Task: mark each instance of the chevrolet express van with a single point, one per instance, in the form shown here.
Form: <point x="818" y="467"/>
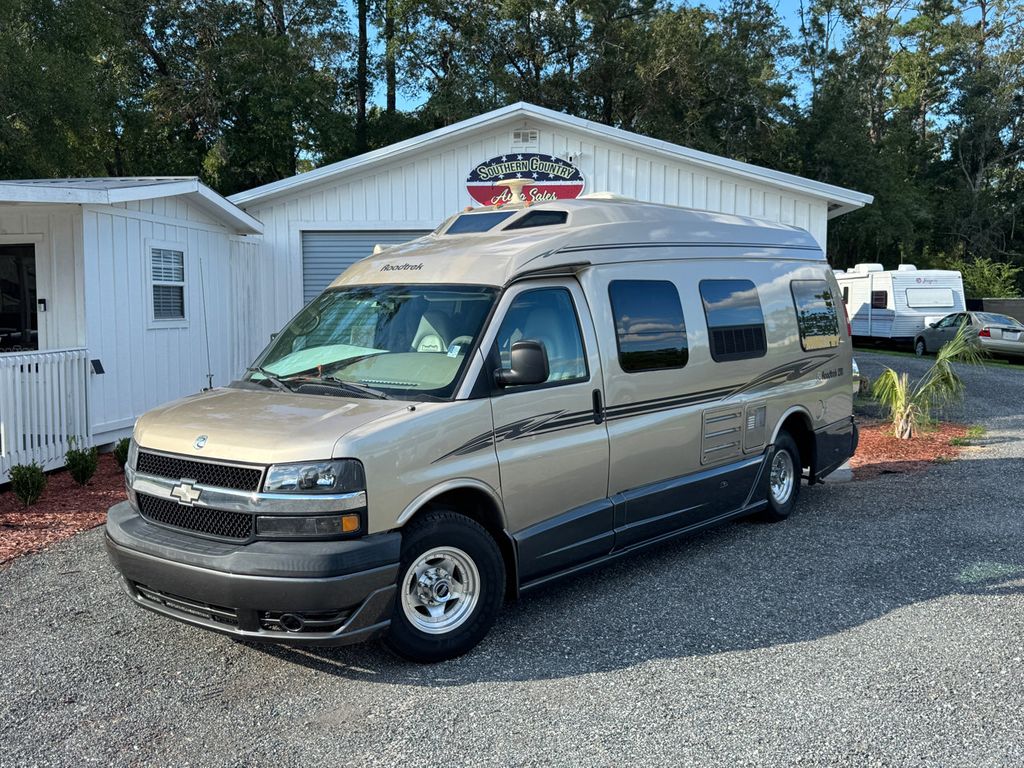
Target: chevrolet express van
<point x="527" y="392"/>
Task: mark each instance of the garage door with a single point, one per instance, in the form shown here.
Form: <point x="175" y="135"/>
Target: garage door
<point x="325" y="255"/>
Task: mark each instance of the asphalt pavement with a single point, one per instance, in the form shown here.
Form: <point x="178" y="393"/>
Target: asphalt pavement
<point x="882" y="624"/>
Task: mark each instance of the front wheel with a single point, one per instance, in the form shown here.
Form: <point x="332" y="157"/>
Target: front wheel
<point x="920" y="349"/>
<point x="450" y="589"/>
<point x="784" y="471"/>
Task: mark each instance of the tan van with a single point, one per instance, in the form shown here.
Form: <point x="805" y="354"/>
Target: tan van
<point x="525" y="393"/>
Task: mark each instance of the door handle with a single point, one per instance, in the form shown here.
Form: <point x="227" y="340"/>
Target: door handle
<point x="598" y="407"/>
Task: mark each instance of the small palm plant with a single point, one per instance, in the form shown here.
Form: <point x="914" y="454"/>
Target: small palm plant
<point x="909" y="404"/>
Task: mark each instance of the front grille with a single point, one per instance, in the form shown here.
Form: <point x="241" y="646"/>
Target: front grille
<point x="216" y="613"/>
<point x="213" y="522"/>
<point x="202" y="472"/>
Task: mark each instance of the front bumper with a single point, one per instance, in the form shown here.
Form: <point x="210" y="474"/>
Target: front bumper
<point x="341" y="591"/>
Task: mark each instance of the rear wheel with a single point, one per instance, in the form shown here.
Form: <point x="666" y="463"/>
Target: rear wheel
<point x="920" y="349"/>
<point x="450" y="589"/>
<point x="783" y="479"/>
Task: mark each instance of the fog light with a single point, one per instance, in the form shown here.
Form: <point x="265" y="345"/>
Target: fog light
<point x="301" y="527"/>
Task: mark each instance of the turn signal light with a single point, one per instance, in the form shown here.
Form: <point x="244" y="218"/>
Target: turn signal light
<point x="313" y="526"/>
<point x="985" y="333"/>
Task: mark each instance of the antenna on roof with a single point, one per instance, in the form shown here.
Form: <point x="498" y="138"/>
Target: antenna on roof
<point x="515" y="188"/>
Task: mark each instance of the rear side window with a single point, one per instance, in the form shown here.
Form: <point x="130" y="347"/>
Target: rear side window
<point x="879" y="299"/>
<point x="735" y="320"/>
<point x="815" y="314"/>
<point x="649" y="326"/>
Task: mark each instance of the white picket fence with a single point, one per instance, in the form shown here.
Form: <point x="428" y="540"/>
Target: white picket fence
<point x="43" y="407"/>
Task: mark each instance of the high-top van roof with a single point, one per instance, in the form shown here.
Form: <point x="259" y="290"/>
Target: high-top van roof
<point x="493" y="245"/>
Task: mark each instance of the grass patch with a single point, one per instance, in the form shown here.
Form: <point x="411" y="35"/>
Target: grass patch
<point x="974" y="432"/>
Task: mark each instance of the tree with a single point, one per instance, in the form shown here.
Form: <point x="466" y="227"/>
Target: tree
<point x="910" y="405"/>
<point x="987" y="279"/>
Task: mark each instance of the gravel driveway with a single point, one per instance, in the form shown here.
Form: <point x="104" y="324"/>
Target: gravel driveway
<point x="881" y="624"/>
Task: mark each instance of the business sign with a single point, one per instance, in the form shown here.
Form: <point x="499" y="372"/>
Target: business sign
<point x="549" y="178"/>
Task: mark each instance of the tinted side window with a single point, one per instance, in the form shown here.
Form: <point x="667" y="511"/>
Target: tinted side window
<point x="546" y="315"/>
<point x="735" y="320"/>
<point x="815" y="314"/>
<point x="649" y="326"/>
<point x="879" y="299"/>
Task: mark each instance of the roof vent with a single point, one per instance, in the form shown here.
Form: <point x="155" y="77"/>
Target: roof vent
<point x="525" y="137"/>
<point x="907" y="268"/>
<point x="865" y="268"/>
<point x="539" y="219"/>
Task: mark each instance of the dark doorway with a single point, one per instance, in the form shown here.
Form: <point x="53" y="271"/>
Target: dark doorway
<point x="19" y="328"/>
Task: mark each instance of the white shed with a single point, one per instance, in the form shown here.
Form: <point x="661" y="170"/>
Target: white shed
<point x="116" y="295"/>
<point x="317" y="223"/>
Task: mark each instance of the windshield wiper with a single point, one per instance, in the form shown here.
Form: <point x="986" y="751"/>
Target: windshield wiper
<point x="269" y="377"/>
<point x="349" y="386"/>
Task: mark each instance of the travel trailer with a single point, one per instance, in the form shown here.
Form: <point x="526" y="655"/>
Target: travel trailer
<point x="895" y="304"/>
<point x="529" y="391"/>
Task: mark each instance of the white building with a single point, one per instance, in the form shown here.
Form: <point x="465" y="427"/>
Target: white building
<point x="317" y="223"/>
<point x="102" y="311"/>
<point x="110" y="274"/>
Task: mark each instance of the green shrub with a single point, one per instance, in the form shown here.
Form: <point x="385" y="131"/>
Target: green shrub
<point x="987" y="279"/>
<point x="28" y="481"/>
<point x="81" y="463"/>
<point x="121" y="451"/>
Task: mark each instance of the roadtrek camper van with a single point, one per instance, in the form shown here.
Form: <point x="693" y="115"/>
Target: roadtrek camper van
<point x="895" y="304"/>
<point x="529" y="391"/>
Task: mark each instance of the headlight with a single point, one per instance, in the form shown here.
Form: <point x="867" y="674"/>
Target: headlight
<point x="341" y="476"/>
<point x="317" y="526"/>
<point x="133" y="454"/>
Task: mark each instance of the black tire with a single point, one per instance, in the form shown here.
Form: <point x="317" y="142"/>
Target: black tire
<point x="779" y="509"/>
<point x="920" y="348"/>
<point x="445" y="528"/>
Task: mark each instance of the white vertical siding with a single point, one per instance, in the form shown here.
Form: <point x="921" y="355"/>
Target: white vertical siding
<point x="421" y="190"/>
<point x="146" y="365"/>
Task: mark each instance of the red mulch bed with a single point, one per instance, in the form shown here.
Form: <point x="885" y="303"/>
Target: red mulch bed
<point x="66" y="508"/>
<point x="880" y="453"/>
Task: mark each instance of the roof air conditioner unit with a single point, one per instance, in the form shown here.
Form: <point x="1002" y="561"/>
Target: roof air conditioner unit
<point x="907" y="268"/>
<point x="865" y="268"/>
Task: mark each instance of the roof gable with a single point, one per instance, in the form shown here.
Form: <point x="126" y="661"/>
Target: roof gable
<point x="113" y="190"/>
<point x="840" y="200"/>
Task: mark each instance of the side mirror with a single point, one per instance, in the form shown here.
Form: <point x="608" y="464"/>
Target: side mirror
<point x="529" y="365"/>
<point x="933" y="325"/>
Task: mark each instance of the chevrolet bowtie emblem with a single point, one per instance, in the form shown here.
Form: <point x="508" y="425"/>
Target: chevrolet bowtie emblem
<point x="186" y="493"/>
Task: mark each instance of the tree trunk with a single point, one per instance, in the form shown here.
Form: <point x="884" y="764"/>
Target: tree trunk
<point x="389" y="56"/>
<point x="362" y="78"/>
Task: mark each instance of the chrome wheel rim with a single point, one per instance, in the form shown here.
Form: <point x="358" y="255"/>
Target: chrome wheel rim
<point x="440" y="590"/>
<point x="919" y="349"/>
<point x="782" y="477"/>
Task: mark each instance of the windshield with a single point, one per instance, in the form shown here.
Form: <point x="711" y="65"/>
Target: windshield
<point x="405" y="341"/>
<point x="991" y="318"/>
